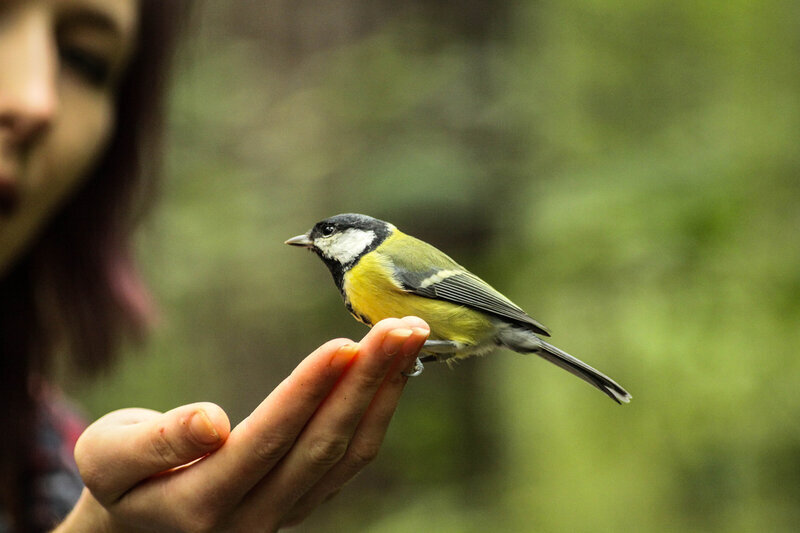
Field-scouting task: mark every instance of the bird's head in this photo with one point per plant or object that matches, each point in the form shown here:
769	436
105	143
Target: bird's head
343	239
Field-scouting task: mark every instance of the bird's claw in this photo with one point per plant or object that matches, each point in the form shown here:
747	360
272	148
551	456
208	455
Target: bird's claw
416	371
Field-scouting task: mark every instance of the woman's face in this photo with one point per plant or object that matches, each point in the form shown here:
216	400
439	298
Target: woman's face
60	61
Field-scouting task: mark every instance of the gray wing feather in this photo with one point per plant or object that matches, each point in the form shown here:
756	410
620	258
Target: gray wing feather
467	289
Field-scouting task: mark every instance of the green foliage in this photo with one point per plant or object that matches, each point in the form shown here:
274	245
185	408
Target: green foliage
625	171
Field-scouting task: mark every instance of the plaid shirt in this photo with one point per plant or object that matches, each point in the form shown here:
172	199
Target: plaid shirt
57	484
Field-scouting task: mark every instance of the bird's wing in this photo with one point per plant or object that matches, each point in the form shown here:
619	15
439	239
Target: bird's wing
447	280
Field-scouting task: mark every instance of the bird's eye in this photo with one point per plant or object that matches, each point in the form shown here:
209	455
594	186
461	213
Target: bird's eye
327	230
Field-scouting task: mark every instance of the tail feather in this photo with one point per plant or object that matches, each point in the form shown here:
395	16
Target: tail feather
524	341
585	372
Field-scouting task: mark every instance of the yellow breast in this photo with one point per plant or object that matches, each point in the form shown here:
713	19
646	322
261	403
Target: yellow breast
375	295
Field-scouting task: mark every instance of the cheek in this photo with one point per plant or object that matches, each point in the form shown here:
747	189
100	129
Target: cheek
55	168
77	140
72	147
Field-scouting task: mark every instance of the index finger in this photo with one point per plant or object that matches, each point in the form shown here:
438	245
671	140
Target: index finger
325	448
263	438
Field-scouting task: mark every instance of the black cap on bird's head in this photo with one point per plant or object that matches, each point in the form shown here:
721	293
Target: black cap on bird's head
341	240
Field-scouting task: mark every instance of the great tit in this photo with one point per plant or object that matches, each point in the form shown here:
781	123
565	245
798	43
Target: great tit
382	272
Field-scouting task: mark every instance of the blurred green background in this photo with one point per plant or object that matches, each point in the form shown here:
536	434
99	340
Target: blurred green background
625	171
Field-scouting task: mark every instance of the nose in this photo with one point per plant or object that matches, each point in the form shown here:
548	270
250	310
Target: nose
28	77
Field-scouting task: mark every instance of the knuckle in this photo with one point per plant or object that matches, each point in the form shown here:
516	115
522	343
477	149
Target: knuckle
369	382
96	480
164	449
94	476
205	514
361	453
203	511
327	450
84	459
272	448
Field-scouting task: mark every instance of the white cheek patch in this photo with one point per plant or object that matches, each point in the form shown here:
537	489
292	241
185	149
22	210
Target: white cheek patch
346	246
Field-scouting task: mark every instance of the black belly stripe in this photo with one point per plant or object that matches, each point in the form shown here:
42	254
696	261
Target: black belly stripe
358	316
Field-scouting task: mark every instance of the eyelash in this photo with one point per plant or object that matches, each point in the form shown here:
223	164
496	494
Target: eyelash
90	66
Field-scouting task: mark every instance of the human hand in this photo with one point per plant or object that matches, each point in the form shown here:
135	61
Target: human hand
185	470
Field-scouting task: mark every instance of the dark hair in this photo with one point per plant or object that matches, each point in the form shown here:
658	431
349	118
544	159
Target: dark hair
77	288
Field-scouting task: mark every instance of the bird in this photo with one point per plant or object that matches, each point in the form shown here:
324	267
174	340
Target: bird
382	272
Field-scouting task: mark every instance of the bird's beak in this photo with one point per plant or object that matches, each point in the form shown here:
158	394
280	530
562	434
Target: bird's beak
301	240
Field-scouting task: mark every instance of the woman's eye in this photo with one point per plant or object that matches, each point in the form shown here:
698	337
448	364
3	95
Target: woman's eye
90	66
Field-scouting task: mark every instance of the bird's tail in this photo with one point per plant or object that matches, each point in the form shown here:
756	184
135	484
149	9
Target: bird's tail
524	341
583	371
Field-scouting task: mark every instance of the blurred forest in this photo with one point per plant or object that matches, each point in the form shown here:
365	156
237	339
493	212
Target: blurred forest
625	171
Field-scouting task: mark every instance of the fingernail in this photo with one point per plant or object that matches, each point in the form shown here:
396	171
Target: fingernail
421	335
395	339
345	354
422	331
202	429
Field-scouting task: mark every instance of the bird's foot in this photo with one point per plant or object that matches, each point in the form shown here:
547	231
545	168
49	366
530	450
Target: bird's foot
440	347
436	350
416	371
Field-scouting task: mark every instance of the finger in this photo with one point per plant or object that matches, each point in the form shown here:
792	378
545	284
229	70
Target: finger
263	438
416	323
369	434
327	435
128	446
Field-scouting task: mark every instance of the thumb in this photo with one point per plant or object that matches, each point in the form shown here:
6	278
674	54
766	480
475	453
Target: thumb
128	446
